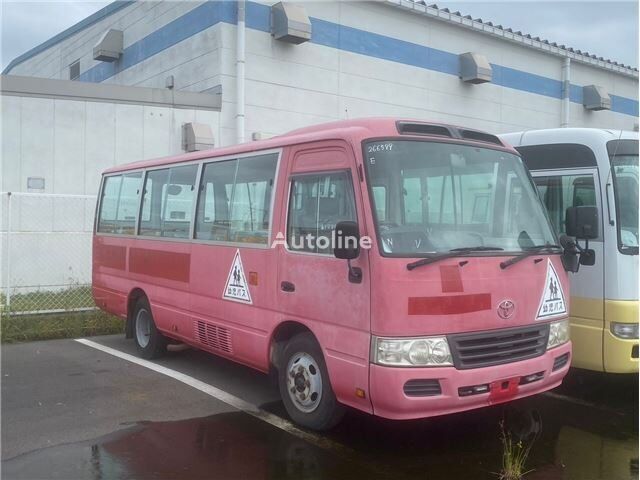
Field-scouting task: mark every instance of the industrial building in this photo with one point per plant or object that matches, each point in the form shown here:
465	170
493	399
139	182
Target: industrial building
143	79
282	66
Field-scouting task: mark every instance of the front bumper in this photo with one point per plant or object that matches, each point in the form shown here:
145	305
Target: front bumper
390	401
620	355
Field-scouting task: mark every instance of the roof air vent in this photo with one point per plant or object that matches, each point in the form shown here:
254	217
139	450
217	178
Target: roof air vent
595	97
479	136
408	128
290	23
474	68
196	137
109	47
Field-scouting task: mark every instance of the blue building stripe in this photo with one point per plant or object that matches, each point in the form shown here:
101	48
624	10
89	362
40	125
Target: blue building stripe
341	37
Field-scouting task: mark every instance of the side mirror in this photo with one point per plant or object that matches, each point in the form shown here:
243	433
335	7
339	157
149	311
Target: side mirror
570	260
588	257
346	240
582	222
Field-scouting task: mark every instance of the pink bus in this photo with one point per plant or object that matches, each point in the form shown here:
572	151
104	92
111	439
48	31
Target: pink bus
402	268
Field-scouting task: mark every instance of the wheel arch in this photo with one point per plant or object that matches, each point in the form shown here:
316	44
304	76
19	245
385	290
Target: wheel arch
280	335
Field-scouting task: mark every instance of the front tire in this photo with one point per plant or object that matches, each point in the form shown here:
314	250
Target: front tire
305	387
150	342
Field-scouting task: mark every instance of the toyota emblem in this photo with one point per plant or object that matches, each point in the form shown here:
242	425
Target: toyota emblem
506	309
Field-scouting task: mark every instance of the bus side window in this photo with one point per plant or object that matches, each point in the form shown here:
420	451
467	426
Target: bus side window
152	202
167	202
107	222
316	204
251	202
234	204
128	203
380	200
560	192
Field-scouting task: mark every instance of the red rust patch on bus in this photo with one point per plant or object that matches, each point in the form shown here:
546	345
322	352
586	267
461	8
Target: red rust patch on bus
111	256
450	304
158	263
450	279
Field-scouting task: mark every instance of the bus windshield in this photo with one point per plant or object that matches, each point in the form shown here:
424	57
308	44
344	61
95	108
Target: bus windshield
431	197
625	184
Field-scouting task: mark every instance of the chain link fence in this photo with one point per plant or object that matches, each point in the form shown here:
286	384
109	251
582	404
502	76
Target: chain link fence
45	253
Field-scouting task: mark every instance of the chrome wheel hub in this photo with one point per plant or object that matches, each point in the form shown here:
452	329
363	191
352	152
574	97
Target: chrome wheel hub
304	382
143	327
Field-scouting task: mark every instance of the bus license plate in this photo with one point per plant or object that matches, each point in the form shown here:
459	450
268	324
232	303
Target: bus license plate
502	390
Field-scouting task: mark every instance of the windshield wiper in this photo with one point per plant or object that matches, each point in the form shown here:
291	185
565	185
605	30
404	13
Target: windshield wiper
454	252
529	252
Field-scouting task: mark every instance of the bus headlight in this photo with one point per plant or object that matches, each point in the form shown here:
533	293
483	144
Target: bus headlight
411	352
558	333
628	331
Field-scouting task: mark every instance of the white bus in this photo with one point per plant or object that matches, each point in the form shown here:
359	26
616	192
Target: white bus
585	166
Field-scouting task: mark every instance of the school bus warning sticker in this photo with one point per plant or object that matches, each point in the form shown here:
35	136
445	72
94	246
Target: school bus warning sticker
552	302
236	288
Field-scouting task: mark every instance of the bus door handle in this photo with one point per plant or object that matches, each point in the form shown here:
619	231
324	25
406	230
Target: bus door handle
287	287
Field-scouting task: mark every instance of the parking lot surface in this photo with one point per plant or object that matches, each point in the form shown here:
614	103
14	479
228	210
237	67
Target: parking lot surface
70	410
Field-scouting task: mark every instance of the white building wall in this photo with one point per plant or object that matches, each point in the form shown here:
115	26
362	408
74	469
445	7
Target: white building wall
69	143
289	86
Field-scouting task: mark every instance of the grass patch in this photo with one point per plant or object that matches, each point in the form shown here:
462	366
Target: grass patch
514	456
27	328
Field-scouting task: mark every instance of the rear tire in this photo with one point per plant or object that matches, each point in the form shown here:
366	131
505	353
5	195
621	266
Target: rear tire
305	387
150	342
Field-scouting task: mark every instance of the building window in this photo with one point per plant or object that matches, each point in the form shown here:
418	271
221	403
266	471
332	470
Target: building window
74	70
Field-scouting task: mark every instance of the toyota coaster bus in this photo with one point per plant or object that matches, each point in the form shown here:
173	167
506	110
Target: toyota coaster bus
588	166
402	268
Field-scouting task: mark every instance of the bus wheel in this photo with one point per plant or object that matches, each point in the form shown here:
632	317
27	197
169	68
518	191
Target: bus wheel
150	342
305	387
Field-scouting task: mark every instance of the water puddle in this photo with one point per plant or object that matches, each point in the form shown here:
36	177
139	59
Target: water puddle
570	442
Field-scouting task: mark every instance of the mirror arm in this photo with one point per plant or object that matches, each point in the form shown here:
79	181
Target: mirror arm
355	273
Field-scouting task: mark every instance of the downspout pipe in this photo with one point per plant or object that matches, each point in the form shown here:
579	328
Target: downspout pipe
240	75
566	92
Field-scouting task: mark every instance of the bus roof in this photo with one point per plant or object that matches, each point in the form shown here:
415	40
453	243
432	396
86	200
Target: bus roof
354	131
585	136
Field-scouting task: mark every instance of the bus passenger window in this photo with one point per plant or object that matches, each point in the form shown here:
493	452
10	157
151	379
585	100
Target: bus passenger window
316	204
128	203
109	204
251	201
234	204
168	201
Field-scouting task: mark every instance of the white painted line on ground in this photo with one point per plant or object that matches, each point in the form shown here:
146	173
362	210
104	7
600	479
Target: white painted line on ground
225	397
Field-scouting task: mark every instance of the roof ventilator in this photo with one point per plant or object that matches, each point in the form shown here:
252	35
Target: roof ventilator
474	68
109	47
595	97
290	23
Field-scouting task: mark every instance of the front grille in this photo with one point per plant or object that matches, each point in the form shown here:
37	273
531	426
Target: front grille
422	388
475	350
560	361
634	351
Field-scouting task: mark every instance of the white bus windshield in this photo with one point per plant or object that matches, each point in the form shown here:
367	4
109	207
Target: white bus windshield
625	184
431	197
